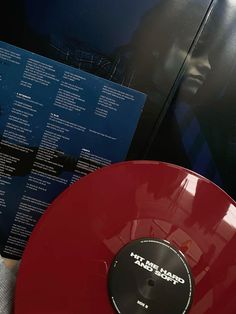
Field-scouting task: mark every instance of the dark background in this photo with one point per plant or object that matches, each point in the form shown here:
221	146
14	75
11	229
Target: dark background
180	53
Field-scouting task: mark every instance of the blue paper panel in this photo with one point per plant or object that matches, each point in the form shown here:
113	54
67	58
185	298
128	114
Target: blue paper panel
57	124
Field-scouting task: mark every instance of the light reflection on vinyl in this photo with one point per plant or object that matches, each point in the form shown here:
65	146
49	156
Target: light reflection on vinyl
135	237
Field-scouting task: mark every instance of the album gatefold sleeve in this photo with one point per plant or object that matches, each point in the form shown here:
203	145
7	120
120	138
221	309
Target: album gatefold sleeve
57	124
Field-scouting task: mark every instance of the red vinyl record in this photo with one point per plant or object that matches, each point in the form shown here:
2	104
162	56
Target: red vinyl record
135	237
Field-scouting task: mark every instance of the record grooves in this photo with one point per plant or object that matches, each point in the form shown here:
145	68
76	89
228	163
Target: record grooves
134	237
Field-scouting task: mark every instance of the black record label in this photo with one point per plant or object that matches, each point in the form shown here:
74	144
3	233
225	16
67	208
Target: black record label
150	276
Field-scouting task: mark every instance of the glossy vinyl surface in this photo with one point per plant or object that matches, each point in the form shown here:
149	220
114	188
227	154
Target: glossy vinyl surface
66	262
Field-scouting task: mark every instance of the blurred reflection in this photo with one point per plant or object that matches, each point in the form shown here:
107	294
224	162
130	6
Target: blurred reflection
221	277
157	56
230	217
196	73
190	184
212	216
199	131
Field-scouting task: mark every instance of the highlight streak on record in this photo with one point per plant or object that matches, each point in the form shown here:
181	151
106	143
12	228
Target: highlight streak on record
66	263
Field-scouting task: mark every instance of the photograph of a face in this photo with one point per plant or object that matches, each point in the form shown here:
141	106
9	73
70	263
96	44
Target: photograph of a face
199	130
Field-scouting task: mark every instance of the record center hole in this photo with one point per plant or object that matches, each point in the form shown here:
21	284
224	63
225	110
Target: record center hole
151	282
